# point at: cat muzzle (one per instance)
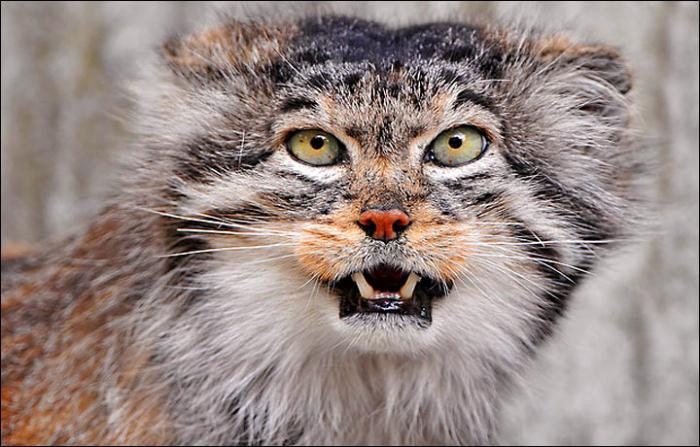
(385, 290)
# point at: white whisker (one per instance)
(234, 233)
(214, 250)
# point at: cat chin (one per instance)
(361, 334)
(380, 333)
(286, 305)
(271, 304)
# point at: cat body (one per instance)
(217, 300)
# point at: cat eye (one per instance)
(315, 147)
(458, 146)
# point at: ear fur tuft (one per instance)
(603, 61)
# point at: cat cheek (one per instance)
(318, 252)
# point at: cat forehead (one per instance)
(367, 69)
(333, 51)
(376, 72)
(354, 47)
(351, 40)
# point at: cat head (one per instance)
(389, 189)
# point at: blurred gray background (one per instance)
(624, 368)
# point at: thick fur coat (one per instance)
(202, 305)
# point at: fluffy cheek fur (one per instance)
(284, 291)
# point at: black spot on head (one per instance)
(357, 133)
(460, 53)
(487, 57)
(320, 81)
(298, 103)
(493, 63)
(280, 72)
(352, 80)
(467, 96)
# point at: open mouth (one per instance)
(387, 290)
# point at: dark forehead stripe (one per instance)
(468, 96)
(343, 40)
(298, 103)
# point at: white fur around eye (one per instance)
(323, 174)
(441, 173)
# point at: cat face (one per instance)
(393, 189)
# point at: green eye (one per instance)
(314, 147)
(458, 146)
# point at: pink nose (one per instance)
(384, 224)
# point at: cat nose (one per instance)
(384, 225)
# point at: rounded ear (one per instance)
(217, 52)
(602, 61)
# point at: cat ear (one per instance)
(223, 50)
(601, 61)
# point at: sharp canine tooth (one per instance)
(366, 290)
(409, 286)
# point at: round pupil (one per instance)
(317, 142)
(455, 142)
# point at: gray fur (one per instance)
(245, 344)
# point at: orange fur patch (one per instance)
(235, 45)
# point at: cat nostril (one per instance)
(384, 224)
(399, 226)
(369, 227)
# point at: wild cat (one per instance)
(334, 232)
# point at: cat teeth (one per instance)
(366, 290)
(409, 286)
